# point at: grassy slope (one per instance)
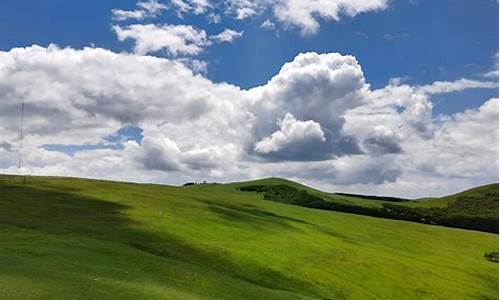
(72, 238)
(443, 201)
(353, 200)
(342, 199)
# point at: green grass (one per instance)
(331, 197)
(480, 191)
(476, 209)
(65, 238)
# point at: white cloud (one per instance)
(268, 24)
(214, 18)
(197, 66)
(382, 140)
(228, 35)
(194, 6)
(174, 39)
(471, 136)
(493, 73)
(293, 138)
(335, 131)
(364, 170)
(92, 92)
(152, 7)
(147, 9)
(181, 5)
(413, 102)
(305, 14)
(242, 9)
(440, 87)
(313, 87)
(318, 87)
(162, 154)
(122, 15)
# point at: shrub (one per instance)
(491, 256)
(478, 213)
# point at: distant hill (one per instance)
(344, 199)
(475, 209)
(70, 238)
(370, 197)
(487, 192)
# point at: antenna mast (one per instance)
(21, 139)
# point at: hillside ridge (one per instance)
(96, 239)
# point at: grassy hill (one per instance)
(489, 191)
(66, 238)
(475, 209)
(345, 199)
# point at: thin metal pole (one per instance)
(21, 134)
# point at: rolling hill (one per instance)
(64, 238)
(475, 209)
(489, 191)
(346, 199)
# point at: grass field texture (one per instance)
(66, 238)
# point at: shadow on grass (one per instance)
(252, 215)
(45, 209)
(58, 212)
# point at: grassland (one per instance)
(475, 209)
(331, 197)
(64, 238)
(480, 191)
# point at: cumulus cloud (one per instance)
(151, 6)
(85, 95)
(228, 36)
(146, 9)
(295, 139)
(402, 108)
(364, 170)
(162, 154)
(466, 143)
(194, 6)
(337, 174)
(242, 9)
(197, 66)
(334, 131)
(382, 140)
(317, 87)
(173, 39)
(305, 14)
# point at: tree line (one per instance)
(471, 212)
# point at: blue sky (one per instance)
(420, 40)
(392, 97)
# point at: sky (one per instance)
(386, 97)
